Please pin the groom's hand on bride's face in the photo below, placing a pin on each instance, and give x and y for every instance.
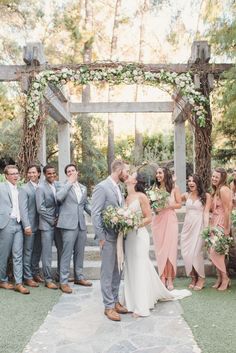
(101, 243)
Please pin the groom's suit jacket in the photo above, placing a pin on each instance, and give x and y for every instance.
(71, 213)
(104, 195)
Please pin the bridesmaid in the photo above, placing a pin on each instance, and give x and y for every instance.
(233, 188)
(198, 203)
(221, 209)
(165, 229)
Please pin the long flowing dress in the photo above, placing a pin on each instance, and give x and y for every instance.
(142, 285)
(165, 237)
(191, 240)
(217, 219)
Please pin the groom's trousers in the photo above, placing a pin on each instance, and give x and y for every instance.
(110, 276)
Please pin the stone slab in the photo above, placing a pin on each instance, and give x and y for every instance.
(77, 325)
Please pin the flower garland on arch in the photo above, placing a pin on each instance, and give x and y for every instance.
(127, 74)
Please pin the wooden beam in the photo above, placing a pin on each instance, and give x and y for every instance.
(124, 107)
(55, 107)
(15, 72)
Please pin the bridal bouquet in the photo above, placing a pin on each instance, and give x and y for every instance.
(215, 238)
(158, 198)
(122, 220)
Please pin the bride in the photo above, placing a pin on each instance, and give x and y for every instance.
(142, 285)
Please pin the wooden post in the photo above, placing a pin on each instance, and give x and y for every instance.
(202, 135)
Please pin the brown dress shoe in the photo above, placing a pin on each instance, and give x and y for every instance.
(38, 279)
(31, 283)
(112, 314)
(21, 289)
(65, 288)
(51, 285)
(6, 285)
(83, 282)
(120, 309)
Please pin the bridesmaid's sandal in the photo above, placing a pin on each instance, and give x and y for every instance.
(217, 284)
(193, 282)
(200, 284)
(170, 285)
(224, 285)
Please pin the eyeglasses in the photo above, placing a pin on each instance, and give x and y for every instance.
(13, 174)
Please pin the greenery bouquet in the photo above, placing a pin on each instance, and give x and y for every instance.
(233, 218)
(215, 238)
(158, 198)
(122, 220)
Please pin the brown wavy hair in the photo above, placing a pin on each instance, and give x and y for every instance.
(168, 179)
(223, 181)
(200, 188)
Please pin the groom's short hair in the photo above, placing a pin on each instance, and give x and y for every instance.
(117, 164)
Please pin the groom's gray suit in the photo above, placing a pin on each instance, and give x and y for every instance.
(104, 195)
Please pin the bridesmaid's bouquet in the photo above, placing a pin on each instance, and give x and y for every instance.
(158, 198)
(233, 218)
(121, 219)
(215, 238)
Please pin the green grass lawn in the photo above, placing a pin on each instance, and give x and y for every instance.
(212, 317)
(21, 315)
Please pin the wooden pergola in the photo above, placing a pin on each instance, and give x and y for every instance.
(61, 109)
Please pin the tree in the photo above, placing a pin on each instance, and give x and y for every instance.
(222, 35)
(111, 143)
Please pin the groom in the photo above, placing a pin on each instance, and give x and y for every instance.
(107, 193)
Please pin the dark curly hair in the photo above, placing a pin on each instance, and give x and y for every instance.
(140, 186)
(223, 181)
(200, 188)
(168, 179)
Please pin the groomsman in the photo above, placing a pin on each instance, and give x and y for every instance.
(11, 236)
(72, 197)
(47, 208)
(30, 223)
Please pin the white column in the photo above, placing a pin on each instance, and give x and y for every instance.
(180, 154)
(64, 148)
(42, 151)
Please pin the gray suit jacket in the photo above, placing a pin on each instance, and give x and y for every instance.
(71, 213)
(104, 195)
(28, 209)
(46, 206)
(5, 204)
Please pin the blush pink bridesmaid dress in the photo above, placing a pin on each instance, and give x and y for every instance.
(191, 240)
(217, 219)
(165, 237)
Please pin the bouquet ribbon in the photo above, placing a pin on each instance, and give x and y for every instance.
(120, 251)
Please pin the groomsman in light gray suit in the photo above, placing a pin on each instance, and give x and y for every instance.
(47, 208)
(72, 198)
(30, 223)
(107, 193)
(11, 237)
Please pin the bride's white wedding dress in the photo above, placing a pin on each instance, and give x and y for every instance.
(142, 285)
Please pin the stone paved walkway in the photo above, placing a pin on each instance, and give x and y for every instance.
(77, 325)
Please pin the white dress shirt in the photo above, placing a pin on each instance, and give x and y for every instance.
(117, 190)
(78, 191)
(34, 185)
(15, 202)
